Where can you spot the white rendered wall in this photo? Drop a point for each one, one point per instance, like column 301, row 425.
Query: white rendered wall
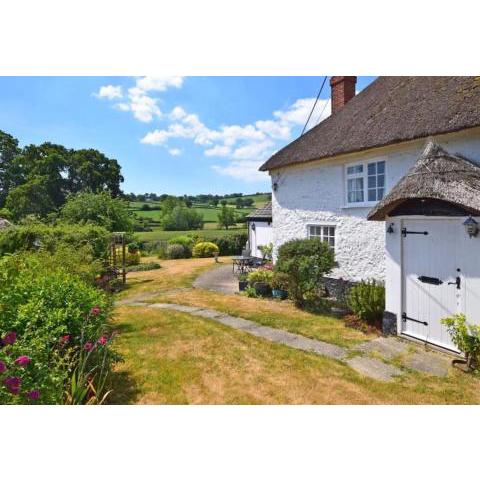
column 314, row 193
column 261, row 236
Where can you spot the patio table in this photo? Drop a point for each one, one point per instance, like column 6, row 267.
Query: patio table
column 241, row 263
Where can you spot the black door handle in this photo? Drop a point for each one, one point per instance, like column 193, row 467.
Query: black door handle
column 456, row 282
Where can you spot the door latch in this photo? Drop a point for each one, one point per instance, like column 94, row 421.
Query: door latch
column 457, row 282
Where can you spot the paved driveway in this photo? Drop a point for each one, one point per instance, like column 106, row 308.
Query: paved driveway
column 220, row 279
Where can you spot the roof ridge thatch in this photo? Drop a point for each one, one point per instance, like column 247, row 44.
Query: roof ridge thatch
column 436, row 175
column 390, row 110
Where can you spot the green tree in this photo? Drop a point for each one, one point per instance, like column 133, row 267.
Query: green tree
column 30, row 198
column 182, row 218
column 8, row 151
column 100, row 209
column 226, row 217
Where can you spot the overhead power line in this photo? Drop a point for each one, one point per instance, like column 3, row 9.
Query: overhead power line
column 314, row 105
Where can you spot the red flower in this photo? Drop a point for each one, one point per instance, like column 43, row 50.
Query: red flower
column 88, row 346
column 64, row 340
column 33, row 394
column 95, row 310
column 102, row 340
column 9, row 338
column 22, row 361
column 3, row 367
column 13, row 384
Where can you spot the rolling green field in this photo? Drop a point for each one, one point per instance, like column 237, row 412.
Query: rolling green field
column 206, row 233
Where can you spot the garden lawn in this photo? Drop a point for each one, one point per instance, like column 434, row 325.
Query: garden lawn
column 173, row 357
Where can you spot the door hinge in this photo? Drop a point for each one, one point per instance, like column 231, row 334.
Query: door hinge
column 405, row 318
column 430, row 280
column 406, row 232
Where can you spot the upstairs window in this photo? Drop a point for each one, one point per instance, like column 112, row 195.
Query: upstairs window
column 365, row 182
column 326, row 233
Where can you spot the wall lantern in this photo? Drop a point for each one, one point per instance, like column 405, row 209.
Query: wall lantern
column 275, row 186
column 253, row 227
column 390, row 228
column 471, row 226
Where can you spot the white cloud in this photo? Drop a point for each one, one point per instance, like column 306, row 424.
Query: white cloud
column 109, row 91
column 159, row 84
column 143, row 106
column 245, row 147
column 252, row 150
column 174, row 152
column 246, row 170
column 218, row 151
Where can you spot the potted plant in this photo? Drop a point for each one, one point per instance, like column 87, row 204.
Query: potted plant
column 261, row 280
column 280, row 283
column 242, row 282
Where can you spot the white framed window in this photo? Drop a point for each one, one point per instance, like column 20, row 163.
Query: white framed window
column 365, row 182
column 326, row 233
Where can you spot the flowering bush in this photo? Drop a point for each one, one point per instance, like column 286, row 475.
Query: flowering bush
column 49, row 318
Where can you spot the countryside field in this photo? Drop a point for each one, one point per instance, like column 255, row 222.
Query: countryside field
column 210, row 217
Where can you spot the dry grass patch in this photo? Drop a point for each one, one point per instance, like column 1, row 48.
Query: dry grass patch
column 176, row 358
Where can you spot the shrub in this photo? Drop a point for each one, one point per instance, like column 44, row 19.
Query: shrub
column 205, row 249
column 143, row 267
column 54, row 315
column 280, row 281
column 466, row 337
column 305, row 262
column 231, row 244
column 133, row 247
column 267, row 251
column 367, row 301
column 34, row 236
column 130, row 258
column 185, row 241
column 260, row 275
column 175, row 251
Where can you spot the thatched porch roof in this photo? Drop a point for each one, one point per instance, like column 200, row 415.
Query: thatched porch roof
column 437, row 175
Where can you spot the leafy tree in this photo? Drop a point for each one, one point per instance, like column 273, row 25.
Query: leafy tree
column 8, row 151
column 223, row 202
column 182, row 218
column 30, row 198
column 226, row 217
column 100, row 209
column 239, row 202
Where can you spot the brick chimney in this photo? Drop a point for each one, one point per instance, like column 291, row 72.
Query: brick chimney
column 343, row 90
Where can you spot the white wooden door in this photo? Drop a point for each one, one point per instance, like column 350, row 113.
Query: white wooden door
column 432, row 279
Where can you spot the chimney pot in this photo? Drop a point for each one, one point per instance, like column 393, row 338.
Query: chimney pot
column 343, row 90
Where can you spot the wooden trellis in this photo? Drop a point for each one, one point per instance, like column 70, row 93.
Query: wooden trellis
column 117, row 255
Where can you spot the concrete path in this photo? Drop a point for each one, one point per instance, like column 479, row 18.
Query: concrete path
column 220, row 279
column 387, row 348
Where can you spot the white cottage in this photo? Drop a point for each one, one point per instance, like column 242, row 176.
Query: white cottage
column 326, row 182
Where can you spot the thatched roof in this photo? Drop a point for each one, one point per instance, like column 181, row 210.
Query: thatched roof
column 437, row 175
column 263, row 213
column 390, row 110
column 4, row 223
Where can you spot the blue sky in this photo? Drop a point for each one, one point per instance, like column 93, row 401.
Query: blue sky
column 170, row 134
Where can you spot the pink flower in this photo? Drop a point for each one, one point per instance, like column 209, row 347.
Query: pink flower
column 64, row 340
column 88, row 346
column 9, row 338
column 102, row 340
column 13, row 384
column 33, row 394
column 95, row 310
column 3, row 367
column 22, row 361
